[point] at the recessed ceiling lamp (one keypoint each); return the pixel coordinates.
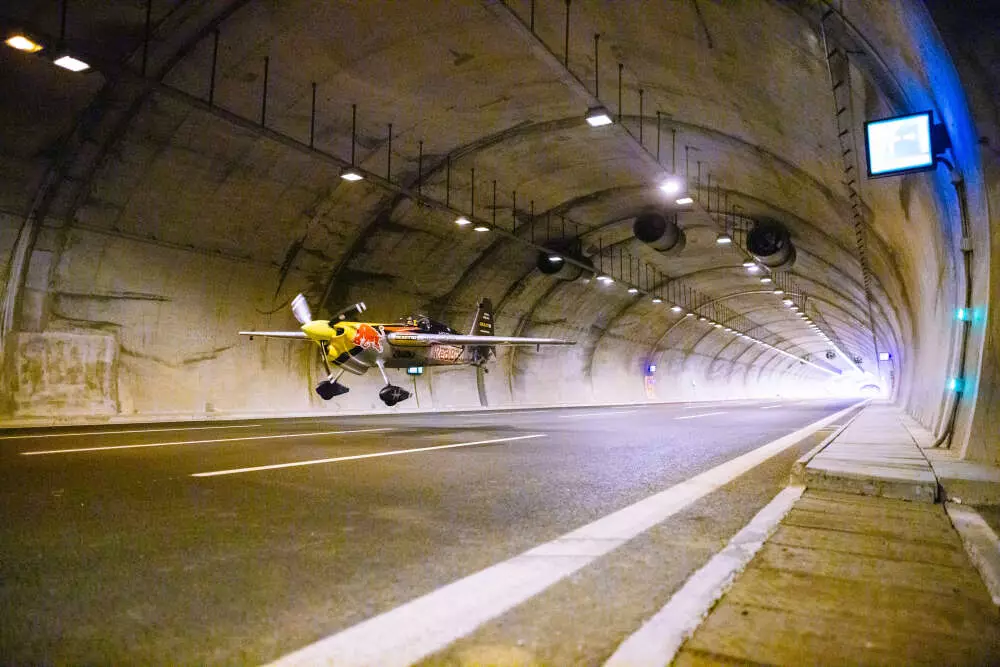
(348, 173)
(787, 302)
(779, 291)
(671, 186)
(753, 269)
(633, 290)
(481, 228)
(23, 43)
(684, 201)
(723, 239)
(462, 221)
(717, 325)
(688, 314)
(71, 63)
(598, 117)
(747, 264)
(657, 299)
(676, 308)
(555, 258)
(765, 280)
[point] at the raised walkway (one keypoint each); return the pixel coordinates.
(866, 568)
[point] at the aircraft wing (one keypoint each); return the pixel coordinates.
(276, 334)
(424, 340)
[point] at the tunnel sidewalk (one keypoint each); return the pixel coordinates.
(864, 569)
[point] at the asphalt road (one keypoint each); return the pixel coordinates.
(198, 543)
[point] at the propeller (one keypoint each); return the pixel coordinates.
(300, 309)
(350, 311)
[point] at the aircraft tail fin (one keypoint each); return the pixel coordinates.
(483, 324)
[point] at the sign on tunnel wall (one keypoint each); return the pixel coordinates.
(57, 374)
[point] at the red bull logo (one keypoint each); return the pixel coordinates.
(368, 338)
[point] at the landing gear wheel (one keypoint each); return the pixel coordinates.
(328, 390)
(391, 394)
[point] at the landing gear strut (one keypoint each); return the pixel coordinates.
(329, 388)
(390, 393)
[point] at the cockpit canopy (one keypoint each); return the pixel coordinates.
(426, 325)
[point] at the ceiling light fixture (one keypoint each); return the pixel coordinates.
(787, 302)
(23, 43)
(72, 64)
(702, 319)
(684, 201)
(723, 239)
(753, 269)
(348, 173)
(481, 228)
(555, 258)
(765, 280)
(717, 325)
(671, 186)
(779, 291)
(462, 221)
(676, 308)
(657, 299)
(747, 264)
(633, 290)
(688, 314)
(598, 117)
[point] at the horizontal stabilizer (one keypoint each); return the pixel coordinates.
(276, 334)
(424, 340)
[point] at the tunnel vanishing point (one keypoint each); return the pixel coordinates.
(681, 187)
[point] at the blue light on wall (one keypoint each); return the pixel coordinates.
(956, 385)
(650, 369)
(415, 370)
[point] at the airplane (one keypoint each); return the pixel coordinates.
(356, 347)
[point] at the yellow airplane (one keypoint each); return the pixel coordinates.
(416, 341)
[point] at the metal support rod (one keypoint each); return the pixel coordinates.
(620, 113)
(354, 131)
(531, 21)
(263, 97)
(597, 69)
(531, 226)
(388, 157)
(420, 167)
(145, 39)
(472, 194)
(658, 136)
(641, 123)
(562, 233)
(62, 23)
(494, 202)
(708, 208)
(566, 40)
(312, 118)
(513, 211)
(215, 61)
(447, 181)
(673, 151)
(699, 181)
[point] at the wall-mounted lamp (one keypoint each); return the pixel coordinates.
(684, 201)
(71, 63)
(671, 186)
(723, 239)
(23, 43)
(351, 174)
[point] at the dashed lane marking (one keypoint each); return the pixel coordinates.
(139, 430)
(597, 414)
(703, 414)
(771, 407)
(201, 442)
(428, 624)
(357, 457)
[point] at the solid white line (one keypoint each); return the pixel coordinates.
(703, 414)
(981, 543)
(201, 442)
(771, 407)
(659, 638)
(140, 430)
(357, 457)
(427, 624)
(596, 414)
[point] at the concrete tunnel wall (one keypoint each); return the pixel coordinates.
(192, 226)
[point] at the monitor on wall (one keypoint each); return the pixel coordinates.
(899, 145)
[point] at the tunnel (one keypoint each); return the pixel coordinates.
(666, 210)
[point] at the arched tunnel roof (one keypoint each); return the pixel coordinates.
(217, 146)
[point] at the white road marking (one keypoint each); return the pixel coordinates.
(771, 407)
(659, 638)
(427, 624)
(201, 442)
(597, 414)
(357, 457)
(140, 430)
(703, 414)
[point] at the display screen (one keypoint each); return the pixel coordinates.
(901, 144)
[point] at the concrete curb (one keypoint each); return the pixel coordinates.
(798, 474)
(981, 543)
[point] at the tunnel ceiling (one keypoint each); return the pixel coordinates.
(739, 92)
